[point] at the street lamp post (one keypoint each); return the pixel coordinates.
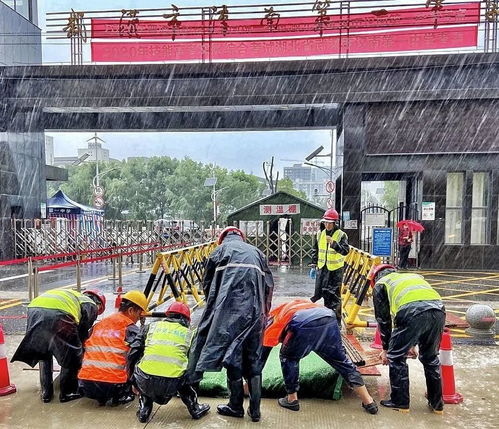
(212, 182)
(332, 168)
(96, 139)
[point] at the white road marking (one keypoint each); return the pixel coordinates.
(20, 276)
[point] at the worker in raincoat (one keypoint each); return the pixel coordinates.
(407, 303)
(158, 361)
(330, 248)
(58, 325)
(304, 327)
(103, 375)
(238, 291)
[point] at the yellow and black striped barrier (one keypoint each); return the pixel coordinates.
(177, 273)
(356, 284)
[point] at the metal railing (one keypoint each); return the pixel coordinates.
(178, 273)
(39, 237)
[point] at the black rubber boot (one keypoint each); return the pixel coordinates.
(235, 406)
(69, 385)
(46, 381)
(145, 408)
(255, 391)
(393, 406)
(190, 399)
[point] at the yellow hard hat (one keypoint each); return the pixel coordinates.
(137, 297)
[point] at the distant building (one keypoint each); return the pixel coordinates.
(373, 192)
(310, 180)
(49, 150)
(96, 152)
(21, 40)
(93, 152)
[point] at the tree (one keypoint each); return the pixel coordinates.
(286, 185)
(391, 194)
(161, 187)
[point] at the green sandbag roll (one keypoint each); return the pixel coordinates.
(317, 379)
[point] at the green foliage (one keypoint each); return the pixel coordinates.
(162, 187)
(391, 195)
(286, 185)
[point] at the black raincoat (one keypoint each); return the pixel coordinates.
(238, 289)
(55, 333)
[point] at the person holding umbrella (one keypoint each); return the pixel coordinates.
(406, 227)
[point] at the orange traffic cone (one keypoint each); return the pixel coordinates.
(376, 344)
(117, 302)
(449, 393)
(5, 387)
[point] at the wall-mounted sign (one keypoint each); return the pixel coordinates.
(351, 224)
(382, 241)
(310, 226)
(279, 209)
(428, 210)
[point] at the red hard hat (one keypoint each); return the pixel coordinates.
(225, 231)
(330, 215)
(100, 296)
(376, 269)
(179, 308)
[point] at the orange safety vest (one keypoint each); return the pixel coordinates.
(280, 317)
(106, 350)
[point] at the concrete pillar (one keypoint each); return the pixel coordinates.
(354, 135)
(22, 172)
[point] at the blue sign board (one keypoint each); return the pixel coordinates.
(382, 241)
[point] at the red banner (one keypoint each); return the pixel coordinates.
(394, 41)
(275, 26)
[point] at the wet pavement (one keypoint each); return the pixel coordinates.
(476, 367)
(476, 370)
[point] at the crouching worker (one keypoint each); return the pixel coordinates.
(58, 324)
(104, 375)
(305, 327)
(161, 350)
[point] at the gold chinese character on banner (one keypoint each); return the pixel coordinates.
(223, 17)
(492, 11)
(437, 3)
(271, 18)
(174, 23)
(75, 26)
(128, 27)
(321, 7)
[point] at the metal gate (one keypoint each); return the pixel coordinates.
(374, 216)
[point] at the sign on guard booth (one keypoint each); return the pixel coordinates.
(413, 29)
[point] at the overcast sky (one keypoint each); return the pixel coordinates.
(232, 150)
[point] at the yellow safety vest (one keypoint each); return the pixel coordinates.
(166, 348)
(327, 255)
(67, 301)
(403, 288)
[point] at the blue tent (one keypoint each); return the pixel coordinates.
(60, 205)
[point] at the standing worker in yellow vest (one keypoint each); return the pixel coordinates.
(58, 324)
(103, 375)
(330, 248)
(418, 316)
(161, 350)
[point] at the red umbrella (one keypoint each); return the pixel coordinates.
(412, 224)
